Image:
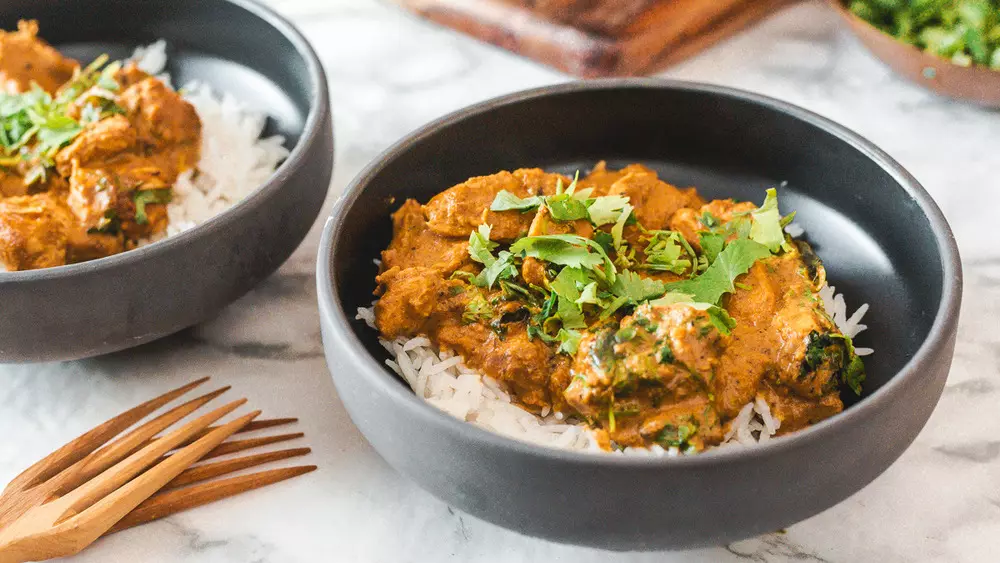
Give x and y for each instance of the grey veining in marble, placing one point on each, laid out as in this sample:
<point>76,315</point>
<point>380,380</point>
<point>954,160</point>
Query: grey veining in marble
<point>390,73</point>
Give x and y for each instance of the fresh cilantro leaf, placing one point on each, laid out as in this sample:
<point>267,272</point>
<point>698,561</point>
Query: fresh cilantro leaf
<point>567,282</point>
<point>607,209</point>
<point>677,436</point>
<point>636,288</point>
<point>494,268</point>
<point>534,331</point>
<point>734,260</point>
<point>480,245</point>
<point>502,268</point>
<point>720,319</point>
<point>618,229</point>
<point>711,245</point>
<point>605,240</point>
<point>571,189</point>
<point>506,201</point>
<point>718,316</point>
<point>56,133</point>
<point>145,197</point>
<point>106,79</point>
<point>623,255</point>
<point>710,221</point>
<point>567,250</point>
<point>766,228</point>
<point>617,303</point>
<point>570,314</point>
<point>109,224</point>
<point>478,309</point>
<point>570,340</point>
<point>565,207</point>
<point>853,374</point>
<point>672,298</point>
<point>590,295</point>
<point>664,252</point>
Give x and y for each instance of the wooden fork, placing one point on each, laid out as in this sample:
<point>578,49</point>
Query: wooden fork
<point>94,486</point>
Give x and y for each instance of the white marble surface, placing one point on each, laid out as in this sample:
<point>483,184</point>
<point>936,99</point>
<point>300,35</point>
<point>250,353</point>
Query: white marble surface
<point>389,73</point>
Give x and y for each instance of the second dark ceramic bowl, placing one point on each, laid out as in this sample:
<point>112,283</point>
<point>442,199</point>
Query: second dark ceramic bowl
<point>234,46</point>
<point>883,240</point>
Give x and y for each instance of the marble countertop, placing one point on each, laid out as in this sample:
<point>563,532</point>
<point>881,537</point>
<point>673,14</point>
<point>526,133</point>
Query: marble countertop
<point>390,73</point>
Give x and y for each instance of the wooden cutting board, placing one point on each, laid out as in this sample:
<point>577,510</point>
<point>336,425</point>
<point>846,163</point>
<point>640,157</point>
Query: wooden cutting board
<point>594,38</point>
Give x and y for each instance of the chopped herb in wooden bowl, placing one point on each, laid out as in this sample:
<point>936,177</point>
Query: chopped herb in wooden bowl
<point>966,32</point>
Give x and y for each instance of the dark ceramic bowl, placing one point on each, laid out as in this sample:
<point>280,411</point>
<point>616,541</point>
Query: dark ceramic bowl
<point>235,46</point>
<point>883,239</point>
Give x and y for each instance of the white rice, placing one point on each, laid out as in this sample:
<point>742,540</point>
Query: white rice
<point>234,159</point>
<point>442,380</point>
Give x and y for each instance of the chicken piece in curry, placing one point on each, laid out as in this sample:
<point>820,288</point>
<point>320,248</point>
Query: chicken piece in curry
<point>637,307</point>
<point>88,156</point>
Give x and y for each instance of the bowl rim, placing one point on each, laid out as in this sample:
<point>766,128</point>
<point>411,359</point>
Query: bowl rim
<point>354,352</point>
<point>312,131</point>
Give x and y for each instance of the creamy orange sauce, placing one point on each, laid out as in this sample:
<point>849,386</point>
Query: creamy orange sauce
<point>650,373</point>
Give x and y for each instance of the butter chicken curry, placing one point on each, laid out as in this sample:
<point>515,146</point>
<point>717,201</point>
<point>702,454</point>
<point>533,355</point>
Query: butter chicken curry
<point>638,307</point>
<point>88,156</point>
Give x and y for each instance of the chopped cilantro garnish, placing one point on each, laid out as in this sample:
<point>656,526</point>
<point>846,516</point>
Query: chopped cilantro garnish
<point>635,288</point>
<point>665,355</point>
<point>564,207</point>
<point>766,228</point>
<point>718,316</point>
<point>625,334</point>
<point>677,436</point>
<point>710,221</point>
<point>502,268</point>
<point>618,229</point>
<point>607,209</point>
<point>568,283</point>
<point>606,241</point>
<point>109,224</point>
<point>668,251</point>
<point>824,347</point>
<point>570,314</point>
<point>506,201</point>
<point>34,125</point>
<point>734,260</point>
<point>481,250</point>
<point>477,309</point>
<point>711,245</point>
<point>567,250</point>
<point>853,374</point>
<point>570,340</point>
<point>142,198</point>
<point>591,295</point>
<point>535,332</point>
<point>480,245</point>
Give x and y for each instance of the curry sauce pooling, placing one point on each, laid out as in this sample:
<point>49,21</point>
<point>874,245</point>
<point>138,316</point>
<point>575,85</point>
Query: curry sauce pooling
<point>620,300</point>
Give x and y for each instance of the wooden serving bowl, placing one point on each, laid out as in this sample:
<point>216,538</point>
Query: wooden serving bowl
<point>976,84</point>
